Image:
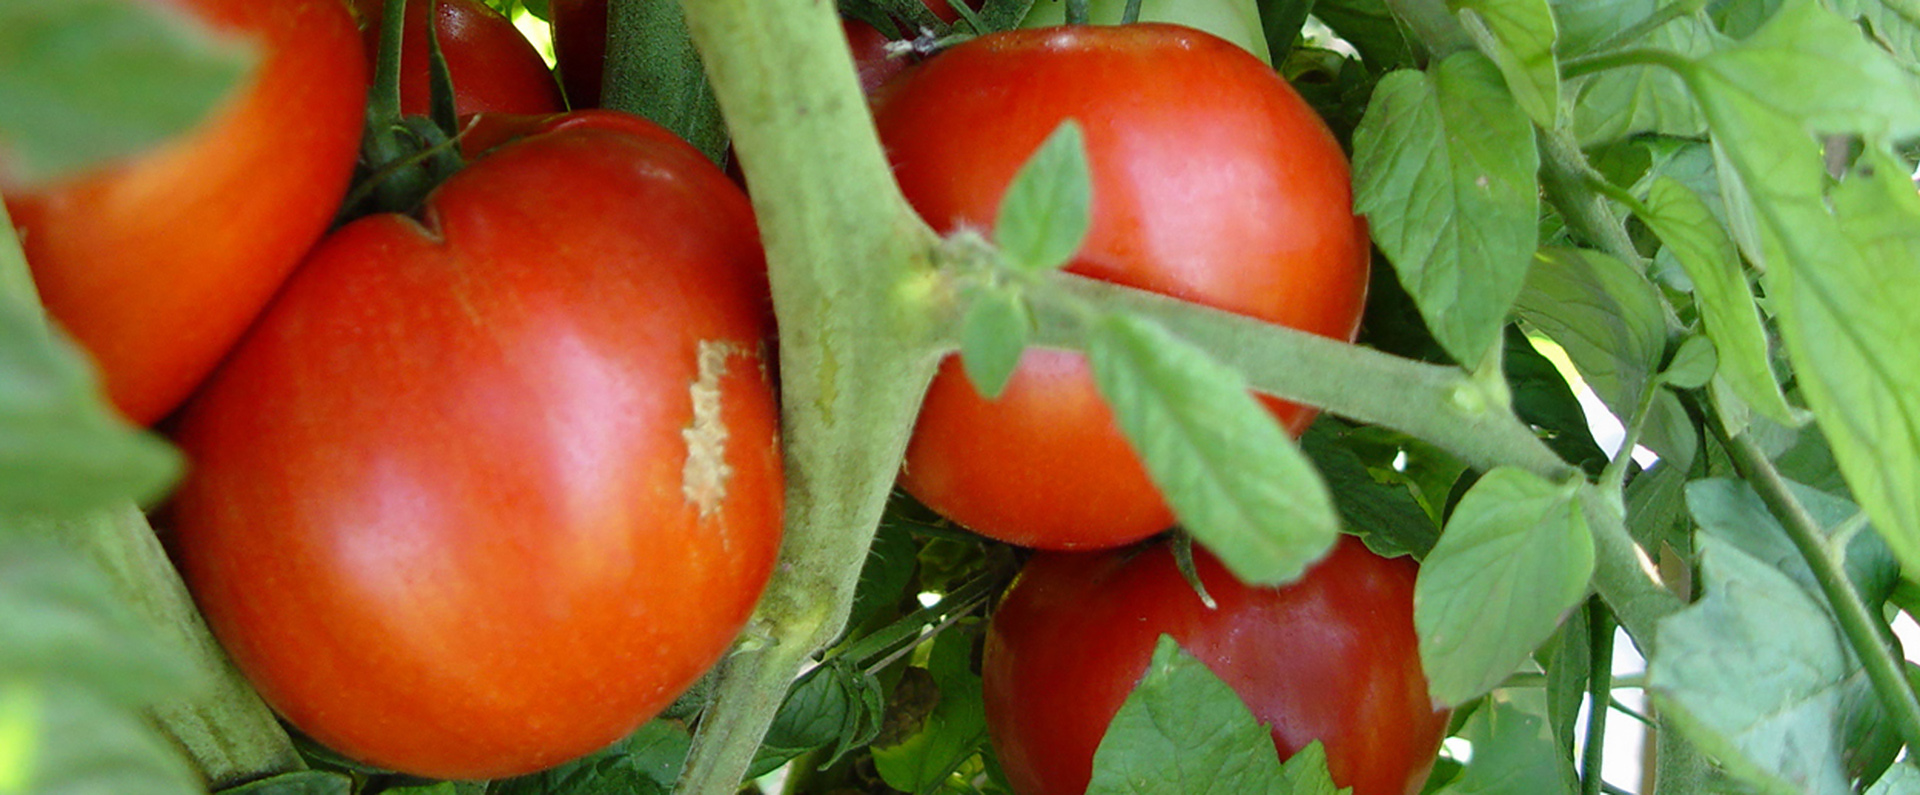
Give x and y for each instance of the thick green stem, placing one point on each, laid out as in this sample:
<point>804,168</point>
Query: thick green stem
<point>1857,624</point>
<point>1620,59</point>
<point>1564,176</point>
<point>653,70</point>
<point>1442,405</point>
<point>849,263</point>
<point>225,728</point>
<point>1600,625</point>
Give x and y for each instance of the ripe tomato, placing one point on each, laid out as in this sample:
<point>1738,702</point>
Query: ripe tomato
<point>485,491</point>
<point>1331,657</point>
<point>494,68</point>
<point>1212,182</point>
<point>157,265</point>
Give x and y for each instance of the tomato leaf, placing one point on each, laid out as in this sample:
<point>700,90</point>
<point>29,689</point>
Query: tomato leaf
<point>1693,365</point>
<point>993,333</point>
<point>1518,35</point>
<point>1899,780</point>
<point>1543,399</point>
<point>1514,558</point>
<point>1183,730</point>
<point>1371,27</point>
<point>1514,749</point>
<point>1232,476</point>
<point>299,782</point>
<point>1731,511</point>
<point>646,762</point>
<point>1831,260</point>
<point>67,451</point>
<point>836,704</point>
<point>1755,674</point>
<point>1688,228</point>
<point>952,733</point>
<point>1047,210</point>
<point>1618,103</point>
<point>76,671</point>
<point>1894,23</point>
<point>1444,169</point>
<point>1383,513</point>
<point>1605,315</point>
<point>85,81</point>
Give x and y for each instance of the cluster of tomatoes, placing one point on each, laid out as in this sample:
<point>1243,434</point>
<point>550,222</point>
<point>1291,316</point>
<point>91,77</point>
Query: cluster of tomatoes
<point>483,486</point>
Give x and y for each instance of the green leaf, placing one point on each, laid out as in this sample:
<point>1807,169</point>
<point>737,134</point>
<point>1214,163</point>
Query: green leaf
<point>1514,752</point>
<point>1899,780</point>
<point>835,704</point>
<point>1814,67</point>
<point>993,333</point>
<point>1894,23</point>
<point>1518,35</point>
<point>1731,511</point>
<point>1607,317</point>
<point>1280,24</point>
<point>891,563</point>
<point>1619,103</point>
<point>63,449</point>
<point>1047,210</point>
<point>1183,730</point>
<point>301,782</point>
<point>1543,399</point>
<point>76,671</point>
<point>1232,476</point>
<point>1383,513</point>
<point>1569,667</point>
<point>86,81</point>
<point>1688,228</point>
<point>1371,27</point>
<point>1515,557</point>
<point>1755,674</point>
<point>646,762</point>
<point>952,733</point>
<point>1693,364</point>
<point>1445,173</point>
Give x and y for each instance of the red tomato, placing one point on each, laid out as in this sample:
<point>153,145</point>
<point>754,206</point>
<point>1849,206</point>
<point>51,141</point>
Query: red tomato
<point>1213,182</point>
<point>485,491</point>
<point>157,265</point>
<point>494,68</point>
<point>1331,657</point>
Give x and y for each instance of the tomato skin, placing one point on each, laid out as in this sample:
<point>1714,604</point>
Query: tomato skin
<point>494,68</point>
<point>445,511</point>
<point>1213,182</point>
<point>157,265</point>
<point>1331,657</point>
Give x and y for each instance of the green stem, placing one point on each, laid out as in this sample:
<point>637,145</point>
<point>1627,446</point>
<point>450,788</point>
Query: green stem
<point>1440,404</point>
<point>445,115</point>
<point>1857,623</point>
<point>1600,626</point>
<point>225,728</point>
<point>1614,477</point>
<point>909,629</point>
<point>850,267</point>
<point>1630,712</point>
<point>1433,23</point>
<point>1620,59</point>
<point>1565,176</point>
<point>653,70</point>
<point>383,98</point>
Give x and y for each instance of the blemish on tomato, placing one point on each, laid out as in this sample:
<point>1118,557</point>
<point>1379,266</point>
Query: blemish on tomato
<point>703,480</point>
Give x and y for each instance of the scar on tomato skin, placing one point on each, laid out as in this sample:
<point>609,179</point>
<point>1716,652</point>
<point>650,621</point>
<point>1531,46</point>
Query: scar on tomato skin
<point>703,480</point>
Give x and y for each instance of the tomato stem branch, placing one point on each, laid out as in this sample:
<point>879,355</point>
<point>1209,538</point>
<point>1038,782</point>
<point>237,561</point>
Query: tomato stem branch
<point>228,731</point>
<point>1600,625</point>
<point>1857,623</point>
<point>1565,177</point>
<point>850,267</point>
<point>1620,59</point>
<point>653,70</point>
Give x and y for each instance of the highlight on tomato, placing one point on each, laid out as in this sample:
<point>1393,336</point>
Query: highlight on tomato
<point>157,265</point>
<point>1331,657</point>
<point>1213,181</point>
<point>486,488</point>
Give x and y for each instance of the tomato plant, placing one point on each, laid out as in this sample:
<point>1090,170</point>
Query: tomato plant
<point>1213,181</point>
<point>484,491</point>
<point>493,67</point>
<point>1331,657</point>
<point>157,265</point>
